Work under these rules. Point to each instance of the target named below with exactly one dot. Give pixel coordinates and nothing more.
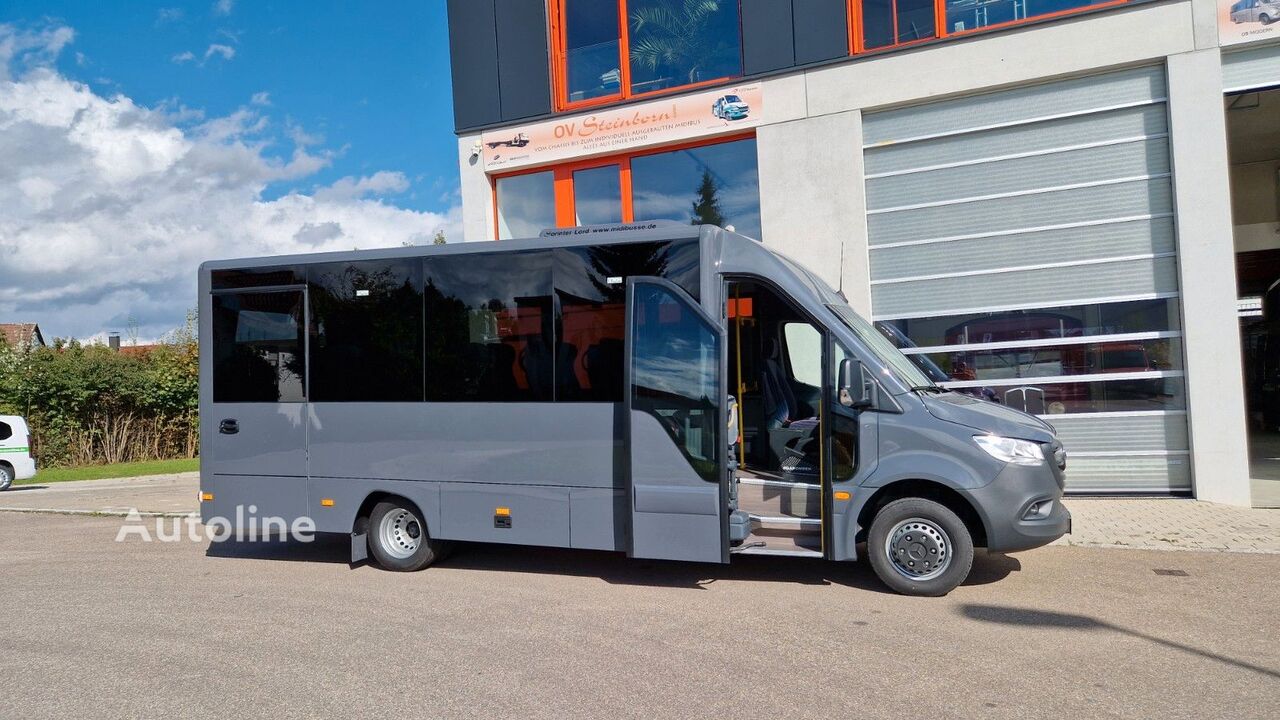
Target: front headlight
(1018, 452)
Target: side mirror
(734, 428)
(853, 389)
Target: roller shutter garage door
(1023, 244)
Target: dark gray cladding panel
(821, 30)
(524, 67)
(766, 36)
(473, 55)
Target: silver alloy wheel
(401, 533)
(918, 549)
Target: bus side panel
(598, 518)
(517, 514)
(348, 495)
(237, 498)
(558, 444)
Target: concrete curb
(101, 513)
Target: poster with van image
(1242, 21)
(625, 127)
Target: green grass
(119, 470)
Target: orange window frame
(559, 45)
(562, 176)
(857, 45)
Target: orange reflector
(502, 511)
(842, 495)
(206, 497)
(326, 502)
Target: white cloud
(183, 57)
(261, 98)
(168, 14)
(224, 7)
(107, 207)
(226, 51)
(350, 188)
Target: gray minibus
(672, 391)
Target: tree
(706, 209)
(439, 238)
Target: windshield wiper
(928, 388)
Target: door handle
(229, 427)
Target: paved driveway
(96, 628)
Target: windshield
(880, 345)
(732, 98)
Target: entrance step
(777, 498)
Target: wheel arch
(951, 498)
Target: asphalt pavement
(99, 628)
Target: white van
(16, 462)
(1255, 11)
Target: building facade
(1066, 207)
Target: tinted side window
(255, 277)
(489, 327)
(257, 347)
(6, 432)
(366, 325)
(591, 285)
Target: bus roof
(549, 239)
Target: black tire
(398, 538)
(926, 517)
(6, 477)
(1266, 19)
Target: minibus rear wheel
(919, 547)
(6, 476)
(398, 537)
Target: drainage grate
(1171, 573)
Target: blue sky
(139, 140)
(370, 78)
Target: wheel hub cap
(400, 533)
(918, 549)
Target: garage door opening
(1253, 137)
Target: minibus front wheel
(398, 538)
(919, 547)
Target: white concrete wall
(1206, 263)
(811, 204)
(478, 221)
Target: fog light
(1038, 510)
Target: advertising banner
(1241, 21)
(611, 130)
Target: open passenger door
(677, 482)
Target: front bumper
(1004, 502)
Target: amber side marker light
(206, 497)
(842, 495)
(326, 502)
(502, 511)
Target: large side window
(258, 347)
(6, 432)
(591, 285)
(489, 327)
(366, 325)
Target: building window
(714, 184)
(607, 50)
(526, 204)
(877, 24)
